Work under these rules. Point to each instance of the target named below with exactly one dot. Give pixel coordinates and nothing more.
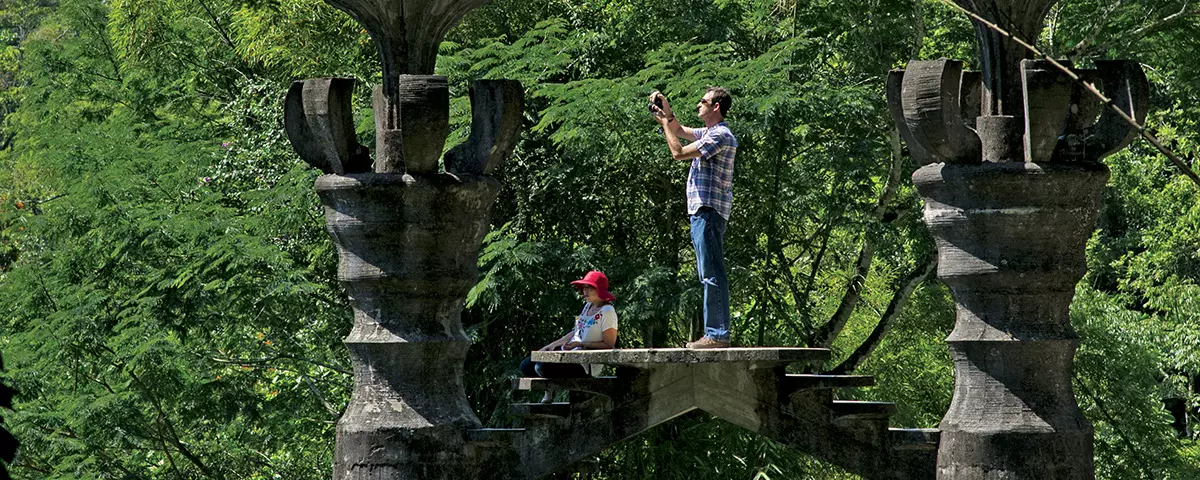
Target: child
(595, 328)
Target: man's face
(706, 108)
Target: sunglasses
(705, 101)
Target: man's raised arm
(673, 125)
(673, 130)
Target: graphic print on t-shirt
(583, 323)
(590, 328)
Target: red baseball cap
(599, 281)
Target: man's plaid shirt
(710, 180)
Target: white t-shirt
(590, 328)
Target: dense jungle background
(168, 296)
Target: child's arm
(608, 341)
(560, 342)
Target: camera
(657, 103)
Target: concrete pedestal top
(644, 356)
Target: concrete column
(408, 238)
(1011, 204)
(407, 253)
(1011, 240)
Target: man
(709, 199)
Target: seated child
(595, 328)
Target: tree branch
(802, 304)
(217, 25)
(312, 386)
(1162, 24)
(1086, 43)
(1108, 102)
(908, 285)
(866, 255)
(259, 361)
(170, 429)
(862, 267)
(1115, 424)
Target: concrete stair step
(795, 382)
(599, 385)
(538, 409)
(915, 438)
(846, 409)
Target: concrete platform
(747, 387)
(647, 356)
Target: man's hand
(665, 112)
(672, 130)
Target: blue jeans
(708, 233)
(530, 368)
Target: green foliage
(1120, 386)
(170, 297)
(172, 310)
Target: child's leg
(528, 367)
(557, 370)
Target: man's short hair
(722, 99)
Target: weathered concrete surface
(1047, 96)
(407, 251)
(732, 384)
(411, 106)
(1094, 131)
(411, 126)
(1011, 240)
(640, 356)
(931, 107)
(496, 109)
(1000, 136)
(408, 241)
(999, 57)
(894, 90)
(318, 118)
(1011, 234)
(407, 32)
